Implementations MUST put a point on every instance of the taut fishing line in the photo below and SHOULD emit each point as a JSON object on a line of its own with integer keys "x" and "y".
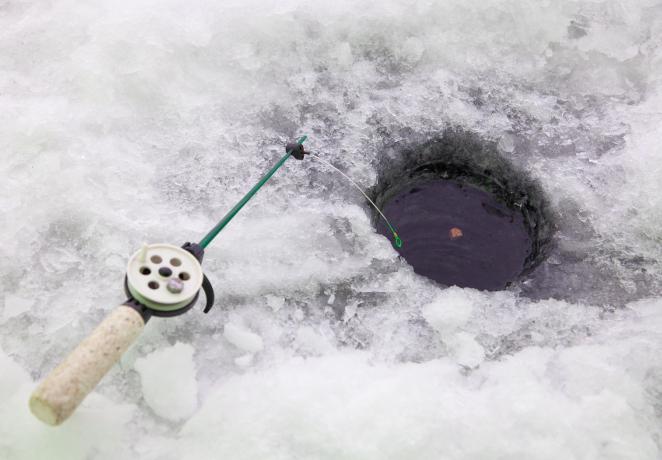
{"x": 398, "y": 240}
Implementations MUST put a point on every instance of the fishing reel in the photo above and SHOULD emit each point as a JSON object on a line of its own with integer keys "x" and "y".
{"x": 165, "y": 280}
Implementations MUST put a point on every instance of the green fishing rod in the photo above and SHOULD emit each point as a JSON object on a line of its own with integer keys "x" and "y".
{"x": 161, "y": 280}
{"x": 295, "y": 148}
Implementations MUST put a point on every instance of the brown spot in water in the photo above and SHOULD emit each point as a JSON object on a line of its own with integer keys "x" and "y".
{"x": 455, "y": 233}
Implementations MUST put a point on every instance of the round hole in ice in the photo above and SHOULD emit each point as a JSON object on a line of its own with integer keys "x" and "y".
{"x": 467, "y": 216}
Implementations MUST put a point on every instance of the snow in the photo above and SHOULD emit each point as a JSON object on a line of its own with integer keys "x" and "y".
{"x": 13, "y": 376}
{"x": 275, "y": 302}
{"x": 15, "y": 306}
{"x": 242, "y": 338}
{"x": 144, "y": 121}
{"x": 533, "y": 404}
{"x": 465, "y": 349}
{"x": 167, "y": 377}
{"x": 449, "y": 311}
{"x": 244, "y": 360}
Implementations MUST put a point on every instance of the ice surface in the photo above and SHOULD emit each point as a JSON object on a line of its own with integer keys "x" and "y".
{"x": 128, "y": 122}
{"x": 580, "y": 401}
{"x": 276, "y": 303}
{"x": 242, "y": 338}
{"x": 244, "y": 360}
{"x": 15, "y": 306}
{"x": 450, "y": 310}
{"x": 168, "y": 381}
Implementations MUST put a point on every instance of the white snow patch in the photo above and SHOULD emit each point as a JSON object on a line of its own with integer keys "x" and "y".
{"x": 275, "y": 302}
{"x": 13, "y": 376}
{"x": 242, "y": 337}
{"x": 244, "y": 360}
{"x": 450, "y": 310}
{"x": 312, "y": 341}
{"x": 464, "y": 348}
{"x": 169, "y": 382}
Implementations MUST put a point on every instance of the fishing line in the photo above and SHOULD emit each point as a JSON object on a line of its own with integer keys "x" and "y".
{"x": 398, "y": 241}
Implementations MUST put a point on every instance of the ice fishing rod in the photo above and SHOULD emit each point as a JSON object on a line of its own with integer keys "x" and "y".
{"x": 161, "y": 280}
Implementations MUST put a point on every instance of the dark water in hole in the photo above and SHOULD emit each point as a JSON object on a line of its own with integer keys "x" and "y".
{"x": 458, "y": 234}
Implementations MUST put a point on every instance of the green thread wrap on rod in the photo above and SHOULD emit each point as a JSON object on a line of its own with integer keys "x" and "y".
{"x": 237, "y": 207}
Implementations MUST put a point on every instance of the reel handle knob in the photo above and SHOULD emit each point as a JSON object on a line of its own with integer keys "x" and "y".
{"x": 56, "y": 398}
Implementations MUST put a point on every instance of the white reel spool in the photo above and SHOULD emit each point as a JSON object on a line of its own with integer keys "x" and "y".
{"x": 164, "y": 277}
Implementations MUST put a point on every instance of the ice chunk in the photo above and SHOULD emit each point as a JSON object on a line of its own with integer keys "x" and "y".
{"x": 466, "y": 351}
{"x": 350, "y": 311}
{"x": 168, "y": 381}
{"x": 242, "y": 338}
{"x": 450, "y": 310}
{"x": 244, "y": 360}
{"x": 507, "y": 143}
{"x": 275, "y": 302}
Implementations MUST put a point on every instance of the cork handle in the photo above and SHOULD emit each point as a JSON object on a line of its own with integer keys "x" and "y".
{"x": 56, "y": 398}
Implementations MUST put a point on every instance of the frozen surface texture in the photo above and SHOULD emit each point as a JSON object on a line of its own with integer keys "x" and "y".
{"x": 132, "y": 121}
{"x": 168, "y": 381}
